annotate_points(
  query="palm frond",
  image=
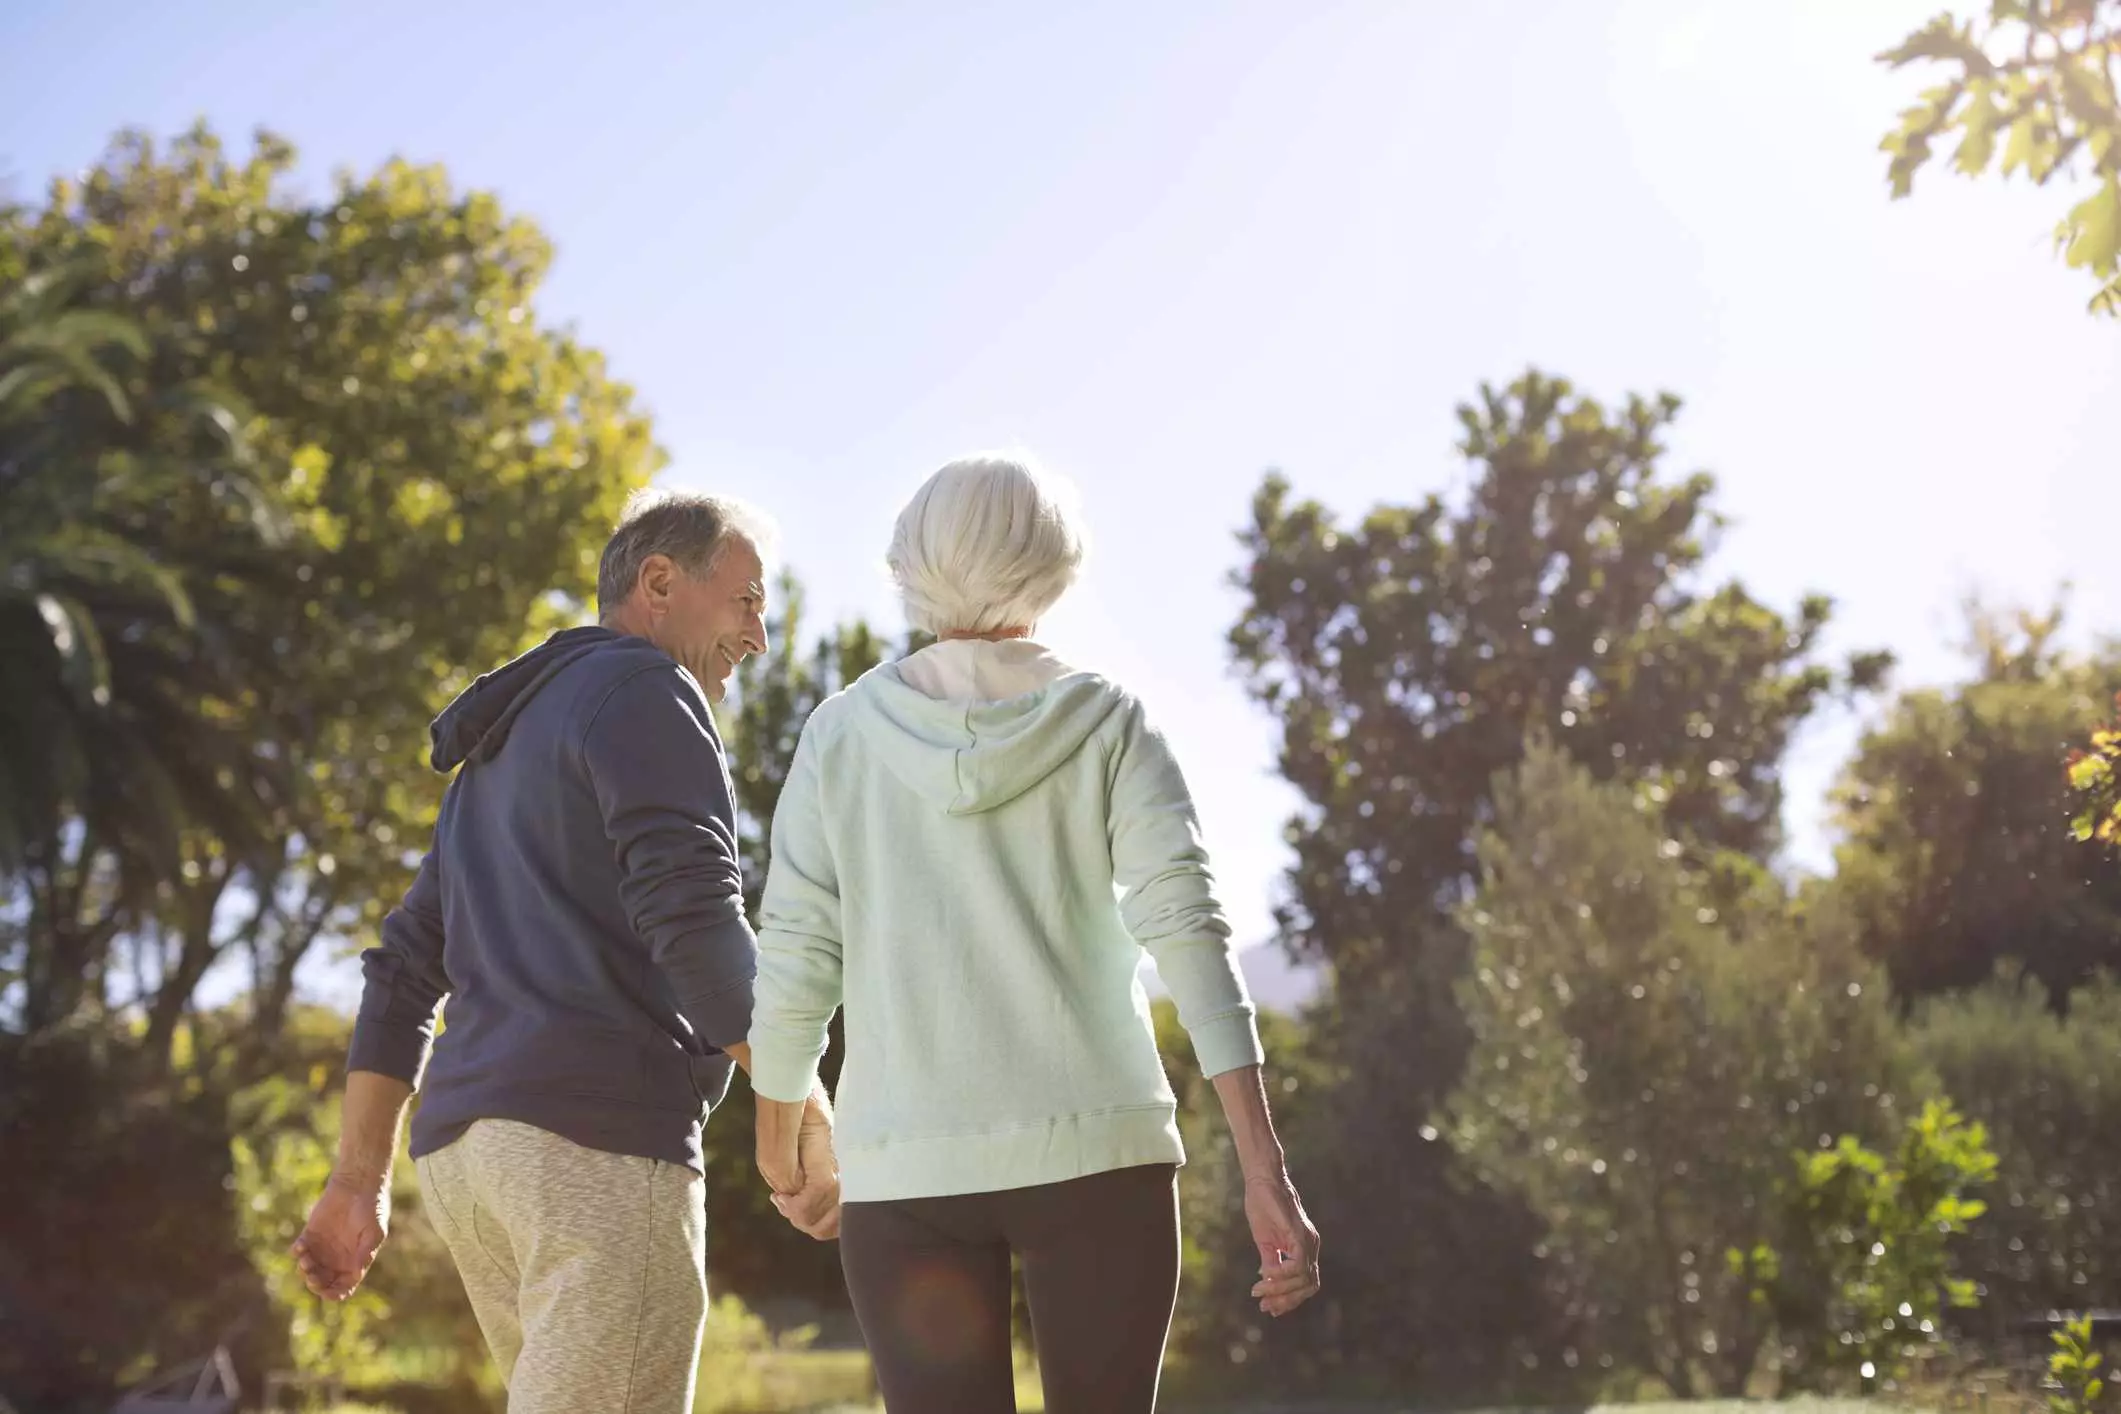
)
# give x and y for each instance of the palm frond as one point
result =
(85, 665)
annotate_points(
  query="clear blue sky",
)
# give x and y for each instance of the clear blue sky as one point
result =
(1170, 245)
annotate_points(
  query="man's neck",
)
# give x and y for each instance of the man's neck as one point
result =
(626, 619)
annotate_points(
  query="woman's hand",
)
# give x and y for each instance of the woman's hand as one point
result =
(796, 1159)
(1287, 1243)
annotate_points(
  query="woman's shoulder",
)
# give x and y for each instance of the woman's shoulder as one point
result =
(829, 718)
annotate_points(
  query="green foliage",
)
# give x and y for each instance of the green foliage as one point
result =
(1405, 658)
(410, 1322)
(774, 696)
(2095, 775)
(279, 1168)
(754, 1250)
(118, 1254)
(1218, 1332)
(1629, 1083)
(1956, 852)
(2046, 1084)
(2038, 78)
(447, 468)
(116, 733)
(1880, 1229)
(746, 1368)
(2074, 1370)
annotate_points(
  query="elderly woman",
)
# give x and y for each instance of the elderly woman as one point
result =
(945, 856)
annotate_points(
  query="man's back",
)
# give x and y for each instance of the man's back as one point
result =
(581, 908)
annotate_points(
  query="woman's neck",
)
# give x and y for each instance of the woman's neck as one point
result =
(993, 635)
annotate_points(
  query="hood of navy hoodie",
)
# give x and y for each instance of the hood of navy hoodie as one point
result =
(475, 726)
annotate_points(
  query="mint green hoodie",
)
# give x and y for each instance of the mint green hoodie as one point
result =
(945, 864)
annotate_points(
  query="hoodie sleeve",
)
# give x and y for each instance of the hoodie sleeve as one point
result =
(799, 940)
(1169, 900)
(656, 766)
(402, 984)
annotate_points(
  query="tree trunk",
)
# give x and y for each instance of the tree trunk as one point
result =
(196, 906)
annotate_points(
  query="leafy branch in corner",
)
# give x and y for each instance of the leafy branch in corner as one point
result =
(2036, 77)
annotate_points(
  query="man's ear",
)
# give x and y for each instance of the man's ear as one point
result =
(656, 574)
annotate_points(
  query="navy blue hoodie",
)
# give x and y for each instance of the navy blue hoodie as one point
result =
(582, 911)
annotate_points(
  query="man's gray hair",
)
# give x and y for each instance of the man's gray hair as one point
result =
(692, 529)
(988, 542)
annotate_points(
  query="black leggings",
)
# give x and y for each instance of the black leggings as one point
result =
(930, 1282)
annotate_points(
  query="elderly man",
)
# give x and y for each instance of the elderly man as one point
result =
(582, 912)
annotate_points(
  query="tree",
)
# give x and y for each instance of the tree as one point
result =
(2047, 1086)
(2095, 774)
(1629, 1080)
(449, 467)
(774, 697)
(116, 734)
(1957, 850)
(118, 1249)
(410, 1321)
(754, 1250)
(1871, 1278)
(1405, 659)
(1218, 1332)
(2039, 75)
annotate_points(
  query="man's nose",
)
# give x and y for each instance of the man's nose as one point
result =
(755, 640)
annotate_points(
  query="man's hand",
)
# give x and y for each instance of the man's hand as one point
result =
(345, 1231)
(347, 1226)
(795, 1156)
(1287, 1243)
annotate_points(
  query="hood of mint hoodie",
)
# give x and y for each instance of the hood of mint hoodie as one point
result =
(969, 757)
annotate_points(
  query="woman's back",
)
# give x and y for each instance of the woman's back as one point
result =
(972, 850)
(947, 852)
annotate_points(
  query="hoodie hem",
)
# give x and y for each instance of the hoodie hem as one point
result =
(1020, 1156)
(614, 1126)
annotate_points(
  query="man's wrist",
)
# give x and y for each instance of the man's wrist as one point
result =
(364, 1180)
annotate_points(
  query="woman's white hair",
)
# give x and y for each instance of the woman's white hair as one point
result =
(989, 542)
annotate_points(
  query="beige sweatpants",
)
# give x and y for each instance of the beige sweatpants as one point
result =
(586, 1270)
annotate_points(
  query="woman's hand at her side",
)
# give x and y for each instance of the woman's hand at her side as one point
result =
(1287, 1243)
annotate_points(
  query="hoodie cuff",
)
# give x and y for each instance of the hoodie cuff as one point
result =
(722, 1019)
(1227, 1042)
(786, 1077)
(389, 1048)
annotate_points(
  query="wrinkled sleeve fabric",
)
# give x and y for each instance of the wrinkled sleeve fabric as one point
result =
(1168, 899)
(403, 983)
(654, 761)
(800, 976)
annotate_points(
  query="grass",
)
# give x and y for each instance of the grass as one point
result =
(814, 1382)
(755, 1374)
(837, 1382)
(796, 1379)
(772, 1381)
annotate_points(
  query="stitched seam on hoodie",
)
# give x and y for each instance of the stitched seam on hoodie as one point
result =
(612, 691)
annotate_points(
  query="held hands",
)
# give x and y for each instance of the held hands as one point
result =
(346, 1229)
(1287, 1243)
(795, 1156)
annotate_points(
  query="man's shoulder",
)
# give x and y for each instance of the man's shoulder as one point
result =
(630, 669)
